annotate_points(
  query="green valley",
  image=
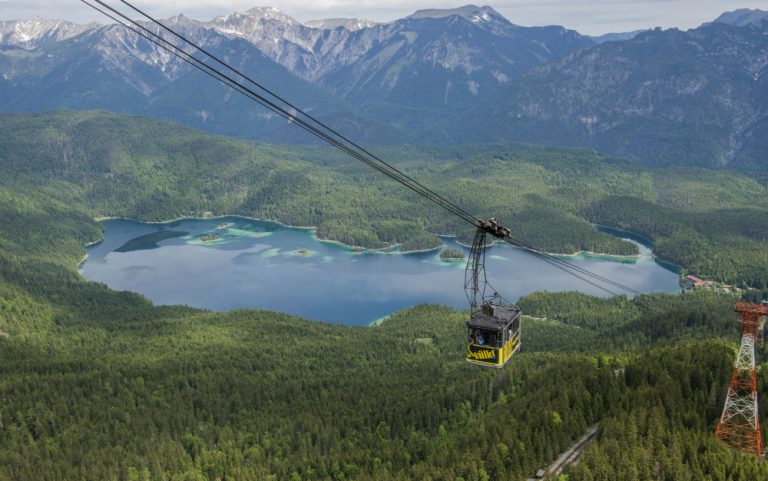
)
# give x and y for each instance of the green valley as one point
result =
(102, 385)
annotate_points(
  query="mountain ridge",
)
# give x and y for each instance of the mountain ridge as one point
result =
(470, 12)
(742, 17)
(664, 97)
(351, 24)
(437, 76)
(35, 32)
(365, 76)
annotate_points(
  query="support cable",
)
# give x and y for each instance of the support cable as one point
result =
(320, 130)
(290, 116)
(294, 107)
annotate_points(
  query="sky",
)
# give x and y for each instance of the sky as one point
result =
(592, 17)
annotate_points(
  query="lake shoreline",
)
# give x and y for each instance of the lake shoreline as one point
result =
(339, 285)
(353, 248)
(388, 250)
(85, 256)
(590, 254)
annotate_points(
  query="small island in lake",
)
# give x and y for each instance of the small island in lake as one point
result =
(149, 241)
(209, 237)
(452, 255)
(303, 252)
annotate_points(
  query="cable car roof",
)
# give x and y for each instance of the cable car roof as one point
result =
(503, 316)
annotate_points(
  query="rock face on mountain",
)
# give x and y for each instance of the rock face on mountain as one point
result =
(664, 97)
(278, 36)
(438, 62)
(112, 68)
(404, 74)
(351, 24)
(438, 76)
(29, 34)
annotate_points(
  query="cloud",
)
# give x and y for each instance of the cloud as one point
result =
(586, 16)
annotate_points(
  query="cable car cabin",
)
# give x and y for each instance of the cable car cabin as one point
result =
(494, 334)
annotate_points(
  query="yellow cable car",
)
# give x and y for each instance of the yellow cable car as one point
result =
(494, 325)
(494, 334)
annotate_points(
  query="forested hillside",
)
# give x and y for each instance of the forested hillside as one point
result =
(99, 385)
(713, 223)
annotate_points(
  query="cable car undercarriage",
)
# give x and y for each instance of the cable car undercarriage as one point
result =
(494, 324)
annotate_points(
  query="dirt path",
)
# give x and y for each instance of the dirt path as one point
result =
(554, 321)
(569, 457)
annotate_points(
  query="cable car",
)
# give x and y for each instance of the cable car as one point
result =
(494, 334)
(494, 324)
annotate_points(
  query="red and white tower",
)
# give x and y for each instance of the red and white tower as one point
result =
(739, 426)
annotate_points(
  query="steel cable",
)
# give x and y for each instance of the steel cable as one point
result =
(319, 129)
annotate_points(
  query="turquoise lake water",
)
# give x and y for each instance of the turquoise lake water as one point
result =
(232, 262)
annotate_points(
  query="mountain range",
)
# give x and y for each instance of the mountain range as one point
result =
(437, 76)
(664, 97)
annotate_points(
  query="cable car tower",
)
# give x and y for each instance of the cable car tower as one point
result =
(494, 325)
(739, 425)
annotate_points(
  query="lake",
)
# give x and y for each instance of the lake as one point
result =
(233, 262)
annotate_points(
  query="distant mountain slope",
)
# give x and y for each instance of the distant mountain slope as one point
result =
(384, 82)
(742, 17)
(423, 65)
(351, 24)
(438, 76)
(34, 33)
(437, 62)
(616, 37)
(664, 97)
(112, 68)
(281, 38)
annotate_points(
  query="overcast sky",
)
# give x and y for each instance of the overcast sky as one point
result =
(587, 16)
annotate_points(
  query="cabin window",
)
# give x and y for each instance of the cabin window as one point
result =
(476, 336)
(486, 338)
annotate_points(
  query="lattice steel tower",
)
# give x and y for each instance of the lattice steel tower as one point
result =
(739, 426)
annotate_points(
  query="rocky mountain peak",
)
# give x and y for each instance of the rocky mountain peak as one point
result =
(252, 23)
(473, 13)
(742, 17)
(351, 24)
(278, 36)
(266, 13)
(32, 33)
(182, 21)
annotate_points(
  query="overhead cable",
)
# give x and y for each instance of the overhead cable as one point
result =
(287, 110)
